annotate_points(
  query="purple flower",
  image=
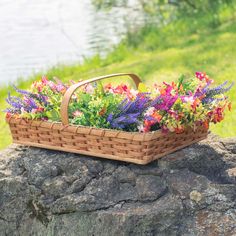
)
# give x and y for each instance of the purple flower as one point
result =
(140, 103)
(38, 97)
(15, 102)
(21, 91)
(41, 99)
(10, 110)
(123, 121)
(129, 112)
(211, 93)
(30, 103)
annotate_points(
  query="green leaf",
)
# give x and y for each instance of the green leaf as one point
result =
(53, 115)
(99, 90)
(181, 80)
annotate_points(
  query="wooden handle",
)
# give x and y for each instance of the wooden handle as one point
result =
(74, 87)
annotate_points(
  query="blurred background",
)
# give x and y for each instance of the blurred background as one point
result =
(78, 39)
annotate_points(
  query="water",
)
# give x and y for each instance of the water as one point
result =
(35, 35)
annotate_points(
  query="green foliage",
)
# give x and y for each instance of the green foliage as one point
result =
(108, 4)
(94, 110)
(166, 11)
(187, 83)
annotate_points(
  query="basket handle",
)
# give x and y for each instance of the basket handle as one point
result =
(69, 92)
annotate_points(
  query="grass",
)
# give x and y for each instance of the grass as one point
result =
(157, 55)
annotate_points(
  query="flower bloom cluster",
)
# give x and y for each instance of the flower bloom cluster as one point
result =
(171, 107)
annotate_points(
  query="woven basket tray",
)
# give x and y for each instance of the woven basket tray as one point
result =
(140, 148)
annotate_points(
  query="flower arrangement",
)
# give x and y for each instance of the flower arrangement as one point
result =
(170, 106)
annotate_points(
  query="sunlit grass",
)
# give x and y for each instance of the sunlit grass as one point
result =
(212, 51)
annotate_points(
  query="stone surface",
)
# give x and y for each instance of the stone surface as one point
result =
(189, 192)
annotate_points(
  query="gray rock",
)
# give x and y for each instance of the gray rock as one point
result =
(189, 192)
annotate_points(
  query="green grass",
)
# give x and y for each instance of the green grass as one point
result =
(158, 55)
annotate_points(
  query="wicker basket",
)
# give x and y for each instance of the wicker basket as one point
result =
(140, 148)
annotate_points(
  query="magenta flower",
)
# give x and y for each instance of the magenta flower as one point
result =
(167, 101)
(200, 75)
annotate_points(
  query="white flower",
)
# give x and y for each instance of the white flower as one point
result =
(22, 110)
(157, 91)
(133, 92)
(141, 128)
(74, 96)
(150, 111)
(189, 99)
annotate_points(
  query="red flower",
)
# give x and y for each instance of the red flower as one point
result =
(157, 116)
(148, 123)
(195, 103)
(181, 88)
(206, 124)
(8, 115)
(179, 130)
(217, 115)
(40, 109)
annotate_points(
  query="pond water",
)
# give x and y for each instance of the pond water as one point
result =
(35, 35)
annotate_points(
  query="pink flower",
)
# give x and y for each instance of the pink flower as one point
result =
(38, 85)
(44, 118)
(52, 85)
(34, 111)
(60, 88)
(89, 88)
(77, 113)
(44, 80)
